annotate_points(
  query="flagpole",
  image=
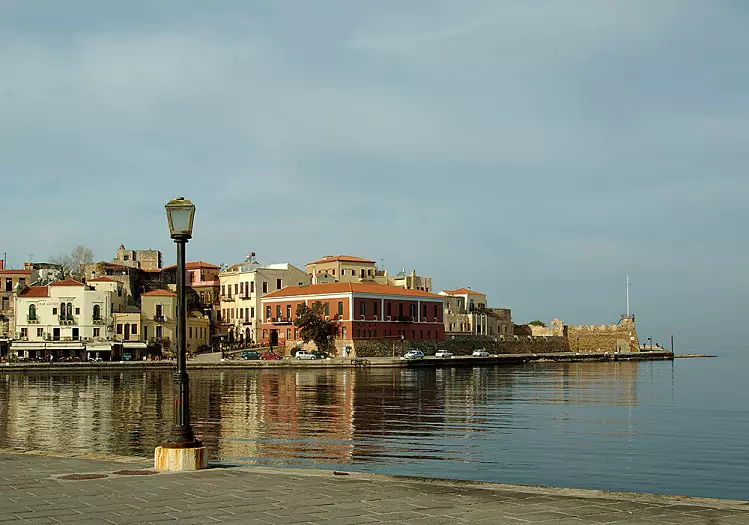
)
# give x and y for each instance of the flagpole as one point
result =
(627, 296)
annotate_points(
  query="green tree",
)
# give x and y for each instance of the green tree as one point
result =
(312, 324)
(538, 323)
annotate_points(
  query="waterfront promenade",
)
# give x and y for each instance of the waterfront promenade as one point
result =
(34, 489)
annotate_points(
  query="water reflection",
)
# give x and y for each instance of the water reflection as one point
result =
(491, 423)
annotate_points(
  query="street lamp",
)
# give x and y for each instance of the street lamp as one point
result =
(182, 451)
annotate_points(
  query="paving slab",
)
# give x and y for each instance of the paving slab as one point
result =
(33, 490)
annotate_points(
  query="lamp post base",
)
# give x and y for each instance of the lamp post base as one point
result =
(180, 459)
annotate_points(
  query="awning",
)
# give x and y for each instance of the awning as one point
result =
(98, 347)
(134, 345)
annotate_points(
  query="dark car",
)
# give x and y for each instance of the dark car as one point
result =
(250, 354)
(270, 356)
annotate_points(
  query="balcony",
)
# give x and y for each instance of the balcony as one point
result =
(32, 320)
(280, 320)
(98, 321)
(67, 320)
(159, 318)
(403, 319)
(227, 298)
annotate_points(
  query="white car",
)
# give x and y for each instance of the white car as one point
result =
(443, 353)
(480, 353)
(414, 354)
(305, 355)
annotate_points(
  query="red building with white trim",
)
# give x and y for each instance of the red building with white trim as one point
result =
(362, 311)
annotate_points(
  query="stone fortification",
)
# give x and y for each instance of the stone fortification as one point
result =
(604, 338)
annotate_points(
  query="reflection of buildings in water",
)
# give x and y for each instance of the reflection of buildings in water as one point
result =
(396, 402)
(596, 382)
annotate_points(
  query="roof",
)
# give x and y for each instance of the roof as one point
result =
(102, 280)
(35, 291)
(25, 272)
(360, 288)
(463, 291)
(67, 282)
(165, 293)
(342, 258)
(195, 265)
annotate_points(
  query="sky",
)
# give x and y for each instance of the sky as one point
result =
(537, 151)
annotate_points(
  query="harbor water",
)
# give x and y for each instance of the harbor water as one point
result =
(676, 427)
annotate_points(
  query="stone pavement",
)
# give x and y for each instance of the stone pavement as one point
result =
(33, 490)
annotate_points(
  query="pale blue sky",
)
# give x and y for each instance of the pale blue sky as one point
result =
(534, 150)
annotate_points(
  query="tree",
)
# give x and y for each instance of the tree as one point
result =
(73, 264)
(537, 323)
(312, 324)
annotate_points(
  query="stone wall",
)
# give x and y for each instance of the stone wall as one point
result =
(462, 345)
(604, 338)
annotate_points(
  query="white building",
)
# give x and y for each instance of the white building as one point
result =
(63, 318)
(242, 286)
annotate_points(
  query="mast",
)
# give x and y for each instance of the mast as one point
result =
(627, 296)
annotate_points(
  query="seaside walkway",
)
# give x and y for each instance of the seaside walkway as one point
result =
(34, 489)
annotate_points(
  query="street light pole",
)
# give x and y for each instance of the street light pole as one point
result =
(182, 451)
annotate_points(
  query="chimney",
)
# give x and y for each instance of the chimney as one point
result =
(2, 264)
(28, 265)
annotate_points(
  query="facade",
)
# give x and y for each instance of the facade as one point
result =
(11, 282)
(242, 287)
(58, 320)
(158, 312)
(466, 313)
(362, 311)
(350, 269)
(411, 281)
(143, 259)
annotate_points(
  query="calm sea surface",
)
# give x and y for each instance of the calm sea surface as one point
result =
(678, 428)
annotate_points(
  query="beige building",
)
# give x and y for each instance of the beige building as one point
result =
(242, 287)
(143, 259)
(61, 319)
(158, 311)
(350, 269)
(466, 313)
(11, 282)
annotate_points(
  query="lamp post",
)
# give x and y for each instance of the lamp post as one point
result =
(182, 451)
(403, 337)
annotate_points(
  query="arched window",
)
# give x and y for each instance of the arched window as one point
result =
(97, 312)
(70, 311)
(62, 311)
(32, 312)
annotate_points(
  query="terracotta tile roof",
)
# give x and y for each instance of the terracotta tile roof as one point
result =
(462, 291)
(195, 265)
(343, 258)
(165, 293)
(24, 272)
(102, 280)
(67, 282)
(35, 291)
(149, 270)
(356, 288)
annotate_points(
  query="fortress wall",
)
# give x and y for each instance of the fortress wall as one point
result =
(603, 338)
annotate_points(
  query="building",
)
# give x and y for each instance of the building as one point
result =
(143, 259)
(242, 287)
(350, 269)
(362, 311)
(157, 328)
(466, 313)
(60, 319)
(11, 282)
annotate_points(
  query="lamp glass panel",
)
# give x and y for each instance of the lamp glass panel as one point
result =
(181, 219)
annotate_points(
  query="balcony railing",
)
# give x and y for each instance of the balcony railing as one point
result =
(98, 321)
(32, 320)
(280, 320)
(159, 318)
(69, 319)
(403, 319)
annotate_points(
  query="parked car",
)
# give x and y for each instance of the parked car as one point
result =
(250, 354)
(301, 354)
(414, 354)
(270, 356)
(480, 353)
(443, 353)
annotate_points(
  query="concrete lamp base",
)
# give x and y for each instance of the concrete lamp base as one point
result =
(179, 459)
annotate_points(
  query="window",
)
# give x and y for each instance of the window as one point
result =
(159, 332)
(97, 312)
(288, 311)
(21, 280)
(288, 333)
(190, 331)
(134, 329)
(223, 290)
(265, 287)
(344, 332)
(340, 307)
(8, 285)
(278, 284)
(429, 334)
(97, 332)
(119, 328)
(39, 332)
(413, 310)
(423, 310)
(252, 312)
(362, 308)
(421, 334)
(236, 289)
(327, 308)
(375, 308)
(77, 311)
(252, 287)
(32, 312)
(268, 313)
(5, 304)
(63, 308)
(24, 333)
(400, 309)
(369, 272)
(387, 309)
(159, 311)
(278, 310)
(241, 288)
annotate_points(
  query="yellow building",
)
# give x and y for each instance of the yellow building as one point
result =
(158, 313)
